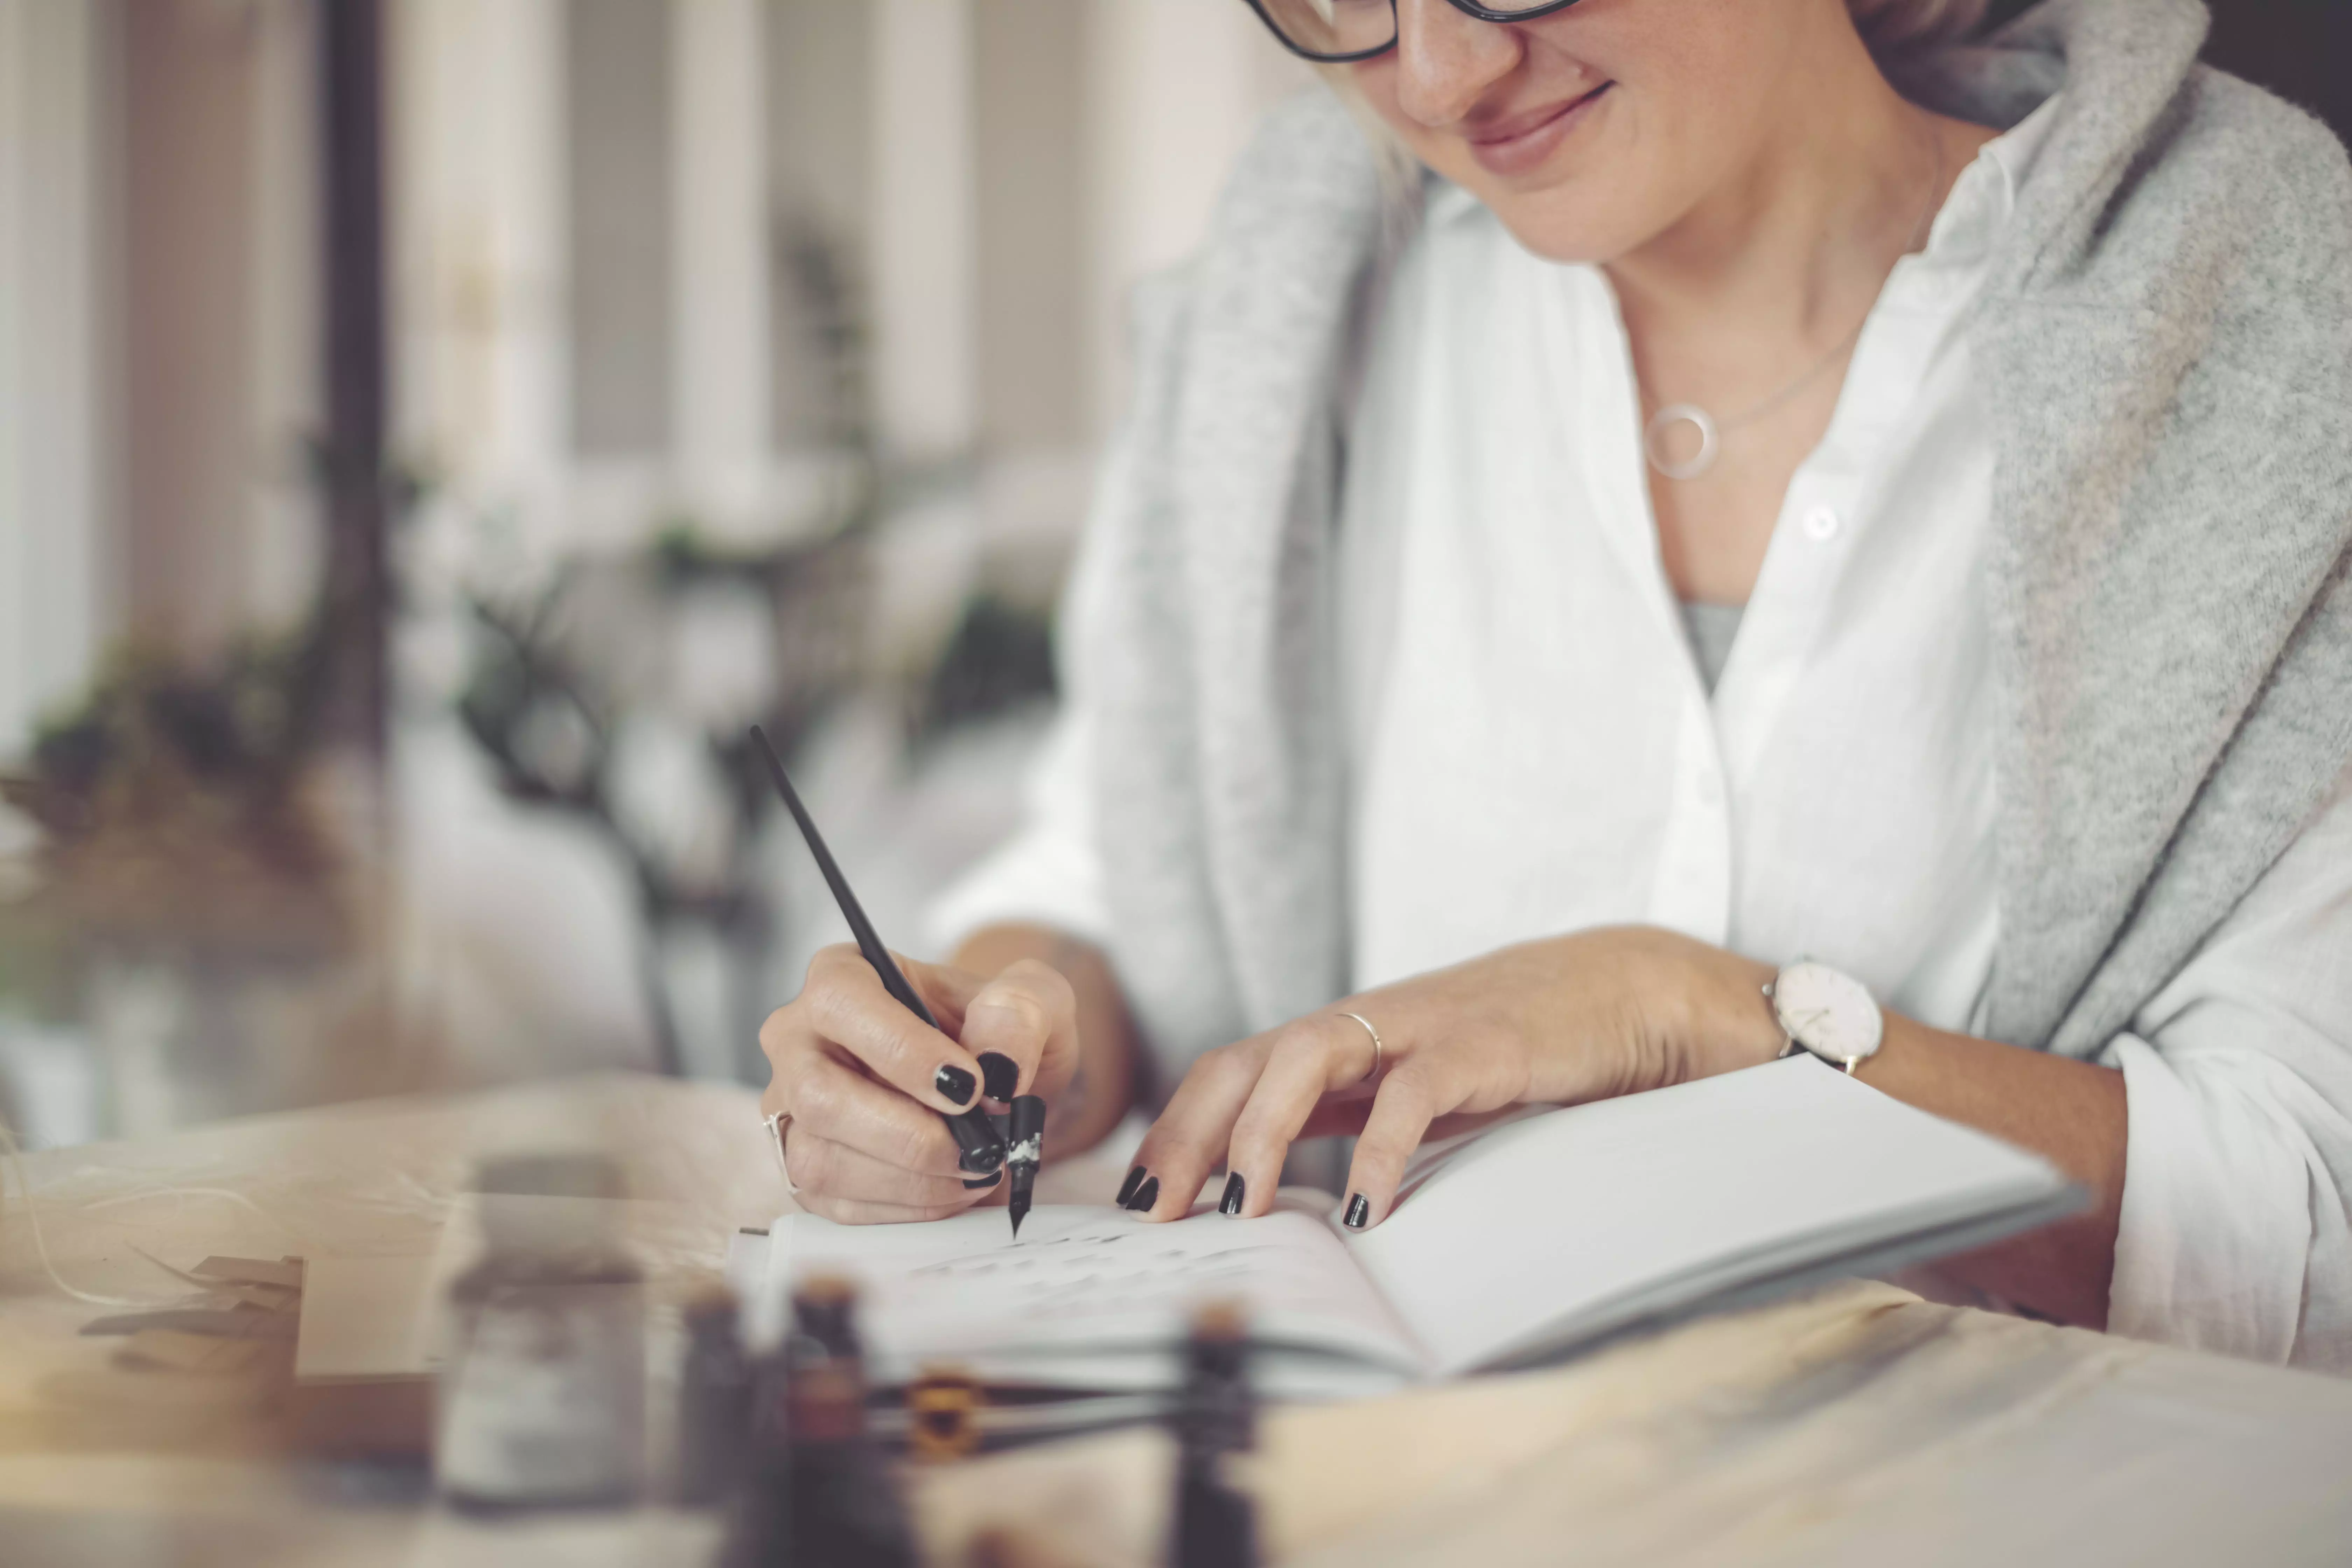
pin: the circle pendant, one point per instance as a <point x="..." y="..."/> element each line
<point x="1662" y="423"/>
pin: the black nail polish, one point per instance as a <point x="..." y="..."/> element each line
<point x="1358" y="1214"/>
<point x="955" y="1084"/>
<point x="1000" y="1075"/>
<point x="1232" y="1202"/>
<point x="975" y="1184"/>
<point x="1127" y="1188"/>
<point x="1145" y="1196"/>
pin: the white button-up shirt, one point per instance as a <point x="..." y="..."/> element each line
<point x="1534" y="751"/>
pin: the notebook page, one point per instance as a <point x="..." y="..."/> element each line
<point x="1568" y="1222"/>
<point x="1093" y="1297"/>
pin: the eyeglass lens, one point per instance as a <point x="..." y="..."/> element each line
<point x="1335" y="29"/>
<point x="1332" y="27"/>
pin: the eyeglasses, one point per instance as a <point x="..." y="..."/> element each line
<point x="1334" y="32"/>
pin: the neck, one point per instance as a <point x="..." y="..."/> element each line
<point x="1799" y="238"/>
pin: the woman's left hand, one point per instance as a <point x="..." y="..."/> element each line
<point x="1559" y="1021"/>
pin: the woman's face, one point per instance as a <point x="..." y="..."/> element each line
<point x="1595" y="130"/>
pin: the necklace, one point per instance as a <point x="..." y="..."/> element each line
<point x="1712" y="430"/>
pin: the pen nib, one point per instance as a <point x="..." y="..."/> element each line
<point x="1026" y="1138"/>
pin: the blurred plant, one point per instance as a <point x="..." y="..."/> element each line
<point x="554" y="725"/>
<point x="175" y="803"/>
<point x="815" y="267"/>
<point x="174" y="816"/>
<point x="999" y="658"/>
<point x="559" y="702"/>
<point x="179" y="822"/>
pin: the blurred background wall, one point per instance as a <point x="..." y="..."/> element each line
<point x="744" y="359"/>
<point x="431" y="430"/>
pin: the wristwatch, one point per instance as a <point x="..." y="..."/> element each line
<point x="1826" y="1011"/>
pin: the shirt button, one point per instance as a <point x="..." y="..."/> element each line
<point x="1820" y="524"/>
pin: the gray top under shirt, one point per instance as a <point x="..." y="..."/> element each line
<point x="1711" y="628"/>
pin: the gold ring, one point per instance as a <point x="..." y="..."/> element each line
<point x="775" y="1121"/>
<point x="1375" y="1033"/>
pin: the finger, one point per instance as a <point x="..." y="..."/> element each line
<point x="945" y="990"/>
<point x="848" y="1005"/>
<point x="1343" y="1116"/>
<point x="1416" y="1092"/>
<point x="818" y="1165"/>
<point x="832" y="1101"/>
<point x="790" y="1045"/>
<point x="1311" y="1057"/>
<point x="853" y="1211"/>
<point x="1335" y="1117"/>
<point x="1024" y="1020"/>
<point x="1191" y="1135"/>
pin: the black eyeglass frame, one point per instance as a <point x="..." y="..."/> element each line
<point x="1467" y="7"/>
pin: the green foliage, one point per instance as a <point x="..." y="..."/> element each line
<point x="154" y="739"/>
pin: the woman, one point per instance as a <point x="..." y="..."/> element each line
<point x="1411" y="769"/>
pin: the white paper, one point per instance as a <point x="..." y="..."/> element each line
<point x="1098" y="1286"/>
<point x="1537" y="1233"/>
<point x="1560" y="1226"/>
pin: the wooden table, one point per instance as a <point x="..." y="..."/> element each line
<point x="1858" y="1426"/>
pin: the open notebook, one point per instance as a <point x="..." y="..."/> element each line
<point x="1511" y="1247"/>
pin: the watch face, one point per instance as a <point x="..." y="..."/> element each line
<point x="1827" y="1013"/>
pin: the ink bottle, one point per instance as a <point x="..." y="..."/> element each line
<point x="1214" y="1522"/>
<point x="541" y="1395"/>
<point x="819" y="1490"/>
<point x="714" y="1400"/>
<point x="846" y="1506"/>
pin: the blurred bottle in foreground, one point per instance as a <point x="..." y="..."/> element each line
<point x="541" y="1393"/>
<point x="714" y="1400"/>
<point x="819" y="1492"/>
<point x="1214" y="1521"/>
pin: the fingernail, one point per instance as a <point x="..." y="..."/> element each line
<point x="999" y="1074"/>
<point x="1127" y="1188"/>
<point x="1145" y="1196"/>
<point x="954" y="1083"/>
<point x="1232" y="1202"/>
<point x="974" y="1184"/>
<point x="1358" y="1214"/>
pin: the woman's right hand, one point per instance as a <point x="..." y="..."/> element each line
<point x="865" y="1081"/>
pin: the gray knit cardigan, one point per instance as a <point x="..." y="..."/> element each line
<point x="2165" y="343"/>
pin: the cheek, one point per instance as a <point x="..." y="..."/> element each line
<point x="1375" y="81"/>
<point x="1642" y="166"/>
<point x="1673" y="128"/>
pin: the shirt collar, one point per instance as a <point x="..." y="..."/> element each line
<point x="1443" y="202"/>
<point x="2018" y="148"/>
<point x="1985" y="195"/>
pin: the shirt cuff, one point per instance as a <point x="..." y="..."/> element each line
<point x="2215" y="1231"/>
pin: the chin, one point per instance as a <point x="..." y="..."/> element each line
<point x="1571" y="210"/>
<point x="1559" y="226"/>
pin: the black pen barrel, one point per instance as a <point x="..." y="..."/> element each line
<point x="870" y="941"/>
<point x="983" y="1150"/>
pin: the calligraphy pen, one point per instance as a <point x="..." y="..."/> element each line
<point x="982" y="1148"/>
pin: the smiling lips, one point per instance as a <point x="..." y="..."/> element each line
<point x="1515" y="145"/>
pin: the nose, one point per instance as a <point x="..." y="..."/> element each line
<point x="1446" y="61"/>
